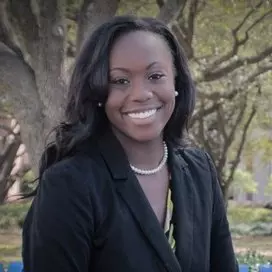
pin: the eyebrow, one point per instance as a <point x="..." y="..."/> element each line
<point x="126" y="70"/>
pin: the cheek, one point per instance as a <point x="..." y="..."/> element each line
<point x="172" y="103"/>
<point x="170" y="95"/>
<point x="169" y="99"/>
<point x="109" y="109"/>
<point x="167" y="95"/>
<point x="113" y="104"/>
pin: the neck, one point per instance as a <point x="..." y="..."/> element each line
<point x="143" y="155"/>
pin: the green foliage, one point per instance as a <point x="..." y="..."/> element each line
<point x="215" y="23"/>
<point x="243" y="181"/>
<point x="268" y="189"/>
<point x="260" y="141"/>
<point x="72" y="7"/>
<point x="27" y="183"/>
<point x="250" y="221"/>
<point x="253" y="259"/>
<point x="253" y="229"/>
<point x="260" y="144"/>
<point x="29" y="176"/>
<point x="247" y="214"/>
<point x="138" y="8"/>
<point x="12" y="215"/>
<point x="72" y="10"/>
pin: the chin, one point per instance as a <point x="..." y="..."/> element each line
<point x="144" y="136"/>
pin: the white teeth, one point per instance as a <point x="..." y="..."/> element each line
<point x="142" y="115"/>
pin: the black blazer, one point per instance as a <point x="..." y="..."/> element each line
<point x="90" y="214"/>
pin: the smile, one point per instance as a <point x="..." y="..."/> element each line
<point x="142" y="114"/>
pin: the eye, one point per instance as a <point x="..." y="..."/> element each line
<point x="119" y="81"/>
<point x="156" y="76"/>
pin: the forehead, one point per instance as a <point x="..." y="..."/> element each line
<point x="140" y="48"/>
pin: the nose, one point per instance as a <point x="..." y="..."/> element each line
<point x="140" y="92"/>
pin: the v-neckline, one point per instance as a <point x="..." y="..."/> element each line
<point x="129" y="189"/>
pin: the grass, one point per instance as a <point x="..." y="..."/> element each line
<point x="12" y="215"/>
<point x="10" y="246"/>
<point x="250" y="221"/>
<point x="261" y="245"/>
<point x="254" y="243"/>
<point x="11" y="219"/>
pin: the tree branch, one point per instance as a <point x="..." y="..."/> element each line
<point x="236" y="161"/>
<point x="183" y="41"/>
<point x="24" y="24"/>
<point x="52" y="35"/>
<point x="6" y="35"/>
<point x="259" y="20"/>
<point x="217" y="74"/>
<point x="191" y="20"/>
<point x="239" y="42"/>
<point x="20" y="92"/>
<point x="171" y="10"/>
<point x="160" y="3"/>
<point x="184" y="29"/>
<point x="230" y="138"/>
<point x="220" y="97"/>
<point x="253" y="9"/>
<point x="261" y="70"/>
<point x="8" y="130"/>
<point x="49" y="65"/>
<point x="204" y="112"/>
<point x="221" y="123"/>
<point x="92" y="14"/>
<point x="73" y="17"/>
<point x="6" y="168"/>
<point x="242" y="86"/>
<point x="8" y="143"/>
<point x="201" y="132"/>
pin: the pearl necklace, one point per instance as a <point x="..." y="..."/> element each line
<point x="154" y="170"/>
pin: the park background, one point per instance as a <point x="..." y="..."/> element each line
<point x="229" y="48"/>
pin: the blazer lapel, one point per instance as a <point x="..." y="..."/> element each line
<point x="183" y="213"/>
<point x="133" y="195"/>
<point x="130" y="190"/>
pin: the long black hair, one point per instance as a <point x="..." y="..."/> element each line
<point x="89" y="86"/>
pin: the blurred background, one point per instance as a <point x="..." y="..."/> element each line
<point x="229" y="47"/>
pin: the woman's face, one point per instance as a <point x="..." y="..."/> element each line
<point x="142" y="91"/>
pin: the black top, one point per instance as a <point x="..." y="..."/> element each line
<point x="90" y="214"/>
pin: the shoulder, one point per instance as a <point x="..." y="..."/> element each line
<point x="77" y="173"/>
<point x="76" y="164"/>
<point x="84" y="159"/>
<point x="199" y="163"/>
<point x="195" y="157"/>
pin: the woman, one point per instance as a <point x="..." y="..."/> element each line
<point x="119" y="191"/>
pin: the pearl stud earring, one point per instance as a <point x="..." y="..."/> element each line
<point x="176" y="93"/>
<point x="99" y="104"/>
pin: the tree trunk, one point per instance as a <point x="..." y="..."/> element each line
<point x="225" y="191"/>
<point x="20" y="91"/>
<point x="6" y="167"/>
<point x="32" y="74"/>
